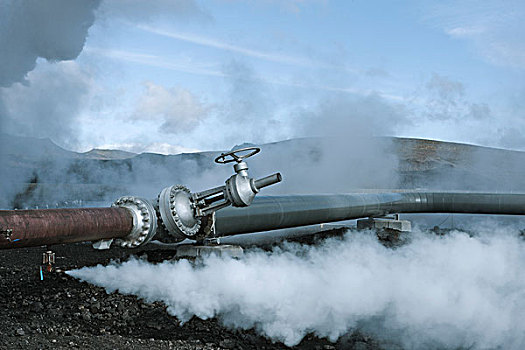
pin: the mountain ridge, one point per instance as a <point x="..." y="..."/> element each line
<point x="38" y="172"/>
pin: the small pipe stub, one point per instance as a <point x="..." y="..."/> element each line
<point x="144" y="221"/>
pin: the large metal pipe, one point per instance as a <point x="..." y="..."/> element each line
<point x="269" y="213"/>
<point x="27" y="228"/>
<point x="134" y="221"/>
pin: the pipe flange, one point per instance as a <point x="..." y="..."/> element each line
<point x="163" y="235"/>
<point x="176" y="209"/>
<point x="144" y="221"/>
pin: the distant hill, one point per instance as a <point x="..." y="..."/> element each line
<point x="108" y="154"/>
<point x="435" y="164"/>
<point x="36" y="172"/>
<point x="32" y="148"/>
<point x="36" y="148"/>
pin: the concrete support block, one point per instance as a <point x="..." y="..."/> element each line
<point x="103" y="244"/>
<point x="197" y="251"/>
<point x="384" y="224"/>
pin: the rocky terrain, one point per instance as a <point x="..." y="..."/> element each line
<point x="59" y="312"/>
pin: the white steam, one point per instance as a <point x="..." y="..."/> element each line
<point x="52" y="29"/>
<point x="434" y="292"/>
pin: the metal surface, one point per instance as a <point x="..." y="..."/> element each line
<point x="240" y="190"/>
<point x="144" y="221"/>
<point x="176" y="212"/>
<point x="267" y="181"/>
<point x="190" y="215"/>
<point x="55" y="226"/>
<point x="233" y="156"/>
<point x="25" y="228"/>
<point x="270" y="213"/>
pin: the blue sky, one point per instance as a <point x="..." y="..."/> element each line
<point x="193" y="75"/>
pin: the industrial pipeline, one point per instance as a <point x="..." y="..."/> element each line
<point x="230" y="209"/>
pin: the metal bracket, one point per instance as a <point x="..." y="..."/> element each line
<point x="103" y="244"/>
<point x="210" y="233"/>
<point x="209" y="229"/>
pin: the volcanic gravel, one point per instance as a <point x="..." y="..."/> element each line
<point x="61" y="312"/>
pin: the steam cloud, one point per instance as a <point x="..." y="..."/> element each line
<point x="453" y="291"/>
<point x="53" y="29"/>
<point x="57" y="32"/>
<point x="56" y="93"/>
<point x="140" y="10"/>
<point x="178" y="110"/>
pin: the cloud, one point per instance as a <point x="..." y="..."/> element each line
<point x="212" y="70"/>
<point x="297" y="5"/>
<point x="293" y="6"/>
<point x="347" y="123"/>
<point x="40" y="104"/>
<point x="177" y="109"/>
<point x="250" y="112"/>
<point x="494" y="27"/>
<point x="362" y="116"/>
<point x="445" y="99"/>
<point x="145" y="10"/>
<point x="149" y="60"/>
<point x="445" y="88"/>
<point x="52" y="29"/>
<point x="465" y="32"/>
<point x="248" y="99"/>
<point x="48" y="104"/>
<point x="512" y="137"/>
<point x="220" y="45"/>
<point x="350" y="127"/>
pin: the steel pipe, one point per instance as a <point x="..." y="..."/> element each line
<point x="25" y="228"/>
<point x="268" y="180"/>
<point x="28" y="228"/>
<point x="276" y="212"/>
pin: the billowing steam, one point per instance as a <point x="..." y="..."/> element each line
<point x="52" y="29"/>
<point x="44" y="103"/>
<point x="453" y="291"/>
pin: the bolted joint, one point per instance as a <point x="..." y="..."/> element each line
<point x="144" y="221"/>
<point x="177" y="211"/>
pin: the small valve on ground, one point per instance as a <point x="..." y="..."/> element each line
<point x="48" y="260"/>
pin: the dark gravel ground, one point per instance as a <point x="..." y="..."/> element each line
<point x="60" y="312"/>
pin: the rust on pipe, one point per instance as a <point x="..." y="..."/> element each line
<point x="28" y="228"/>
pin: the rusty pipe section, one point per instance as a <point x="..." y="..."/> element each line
<point x="28" y="228"/>
<point x="131" y="220"/>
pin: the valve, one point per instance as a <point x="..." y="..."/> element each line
<point x="48" y="260"/>
<point x="191" y="215"/>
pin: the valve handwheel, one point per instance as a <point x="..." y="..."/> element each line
<point x="222" y="159"/>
